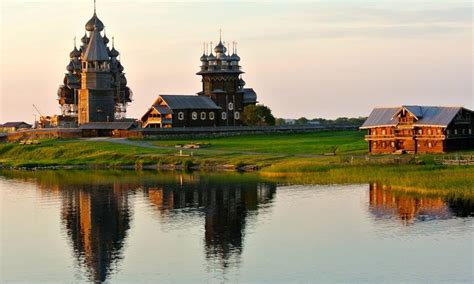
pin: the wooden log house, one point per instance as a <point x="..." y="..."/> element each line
<point x="419" y="129"/>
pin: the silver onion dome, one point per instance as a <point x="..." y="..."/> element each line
<point x="94" y="21"/>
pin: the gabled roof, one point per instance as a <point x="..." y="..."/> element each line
<point x="427" y="115"/>
<point x="96" y="49"/>
<point x="188" y="102"/>
<point x="15" y="124"/>
<point x="162" y="110"/>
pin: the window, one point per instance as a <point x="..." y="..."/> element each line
<point x="430" y="145"/>
<point x="237" y="115"/>
<point x="181" y="115"/>
<point x="420" y="131"/>
<point x="211" y="116"/>
<point x="383" y="131"/>
<point x="194" y="115"/>
<point x="392" y="144"/>
<point x="470" y="131"/>
<point x="203" y="115"/>
<point x="429" y="131"/>
<point x="455" y="132"/>
<point x="447" y="131"/>
<point x="224" y="116"/>
<point x="231" y="106"/>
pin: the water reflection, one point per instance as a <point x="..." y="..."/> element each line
<point x="385" y="203"/>
<point x="226" y="207"/>
<point x="96" y="212"/>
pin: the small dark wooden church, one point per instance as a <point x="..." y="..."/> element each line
<point x="220" y="103"/>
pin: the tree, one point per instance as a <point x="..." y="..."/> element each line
<point x="258" y="115"/>
<point x="301" y="121"/>
<point x="280" y="122"/>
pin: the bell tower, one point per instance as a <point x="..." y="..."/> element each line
<point x="96" y="96"/>
<point x="221" y="82"/>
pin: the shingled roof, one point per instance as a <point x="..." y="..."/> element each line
<point x="189" y="102"/>
<point x="96" y="50"/>
<point x="427" y="115"/>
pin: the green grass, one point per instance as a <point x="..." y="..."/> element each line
<point x="340" y="142"/>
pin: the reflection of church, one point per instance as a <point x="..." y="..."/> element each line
<point x="226" y="207"/>
<point x="96" y="214"/>
<point x="96" y="218"/>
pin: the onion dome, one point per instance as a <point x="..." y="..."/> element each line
<point x="113" y="52"/>
<point x="234" y="57"/>
<point x="222" y="56"/>
<point x="120" y="67"/>
<point x="204" y="58"/>
<point x="75" y="53"/>
<point x="241" y="82"/>
<point x="106" y="39"/>
<point x="94" y="21"/>
<point x="220" y="48"/>
<point x="211" y="57"/>
<point x="70" y="67"/>
<point x="84" y="39"/>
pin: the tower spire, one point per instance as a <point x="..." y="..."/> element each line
<point x="94" y="6"/>
<point x="74" y="42"/>
<point x="220" y="35"/>
<point x="113" y="39"/>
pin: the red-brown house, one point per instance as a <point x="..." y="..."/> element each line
<point x="419" y="129"/>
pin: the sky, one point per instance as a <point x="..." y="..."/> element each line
<point x="303" y="58"/>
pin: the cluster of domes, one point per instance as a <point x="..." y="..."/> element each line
<point x="221" y="61"/>
<point x="94" y="48"/>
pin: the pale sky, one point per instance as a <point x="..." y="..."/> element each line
<point x="308" y="58"/>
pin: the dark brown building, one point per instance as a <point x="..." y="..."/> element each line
<point x="220" y="103"/>
<point x="419" y="129"/>
<point x="181" y="111"/>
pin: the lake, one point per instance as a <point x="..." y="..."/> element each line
<point x="127" y="226"/>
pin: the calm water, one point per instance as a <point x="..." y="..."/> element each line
<point x="119" y="226"/>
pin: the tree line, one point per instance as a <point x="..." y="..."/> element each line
<point x="261" y="115"/>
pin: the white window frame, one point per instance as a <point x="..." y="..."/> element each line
<point x="224" y="116"/>
<point x="203" y="115"/>
<point x="231" y="106"/>
<point x="181" y="115"/>
<point x="194" y="115"/>
<point x="211" y="116"/>
<point x="237" y="115"/>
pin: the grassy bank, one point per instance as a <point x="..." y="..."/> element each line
<point x="286" y="158"/>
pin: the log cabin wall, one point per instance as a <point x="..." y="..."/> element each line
<point x="431" y="130"/>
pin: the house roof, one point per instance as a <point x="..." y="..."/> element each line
<point x="15" y="124"/>
<point x="427" y="115"/>
<point x="250" y="97"/>
<point x="189" y="102"/>
<point x="162" y="110"/>
<point x="121" y="125"/>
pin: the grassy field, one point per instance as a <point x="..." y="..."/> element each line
<point x="339" y="142"/>
<point x="286" y="158"/>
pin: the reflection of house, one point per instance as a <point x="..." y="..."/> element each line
<point x="14" y="126"/>
<point x="422" y="129"/>
<point x="383" y="203"/>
